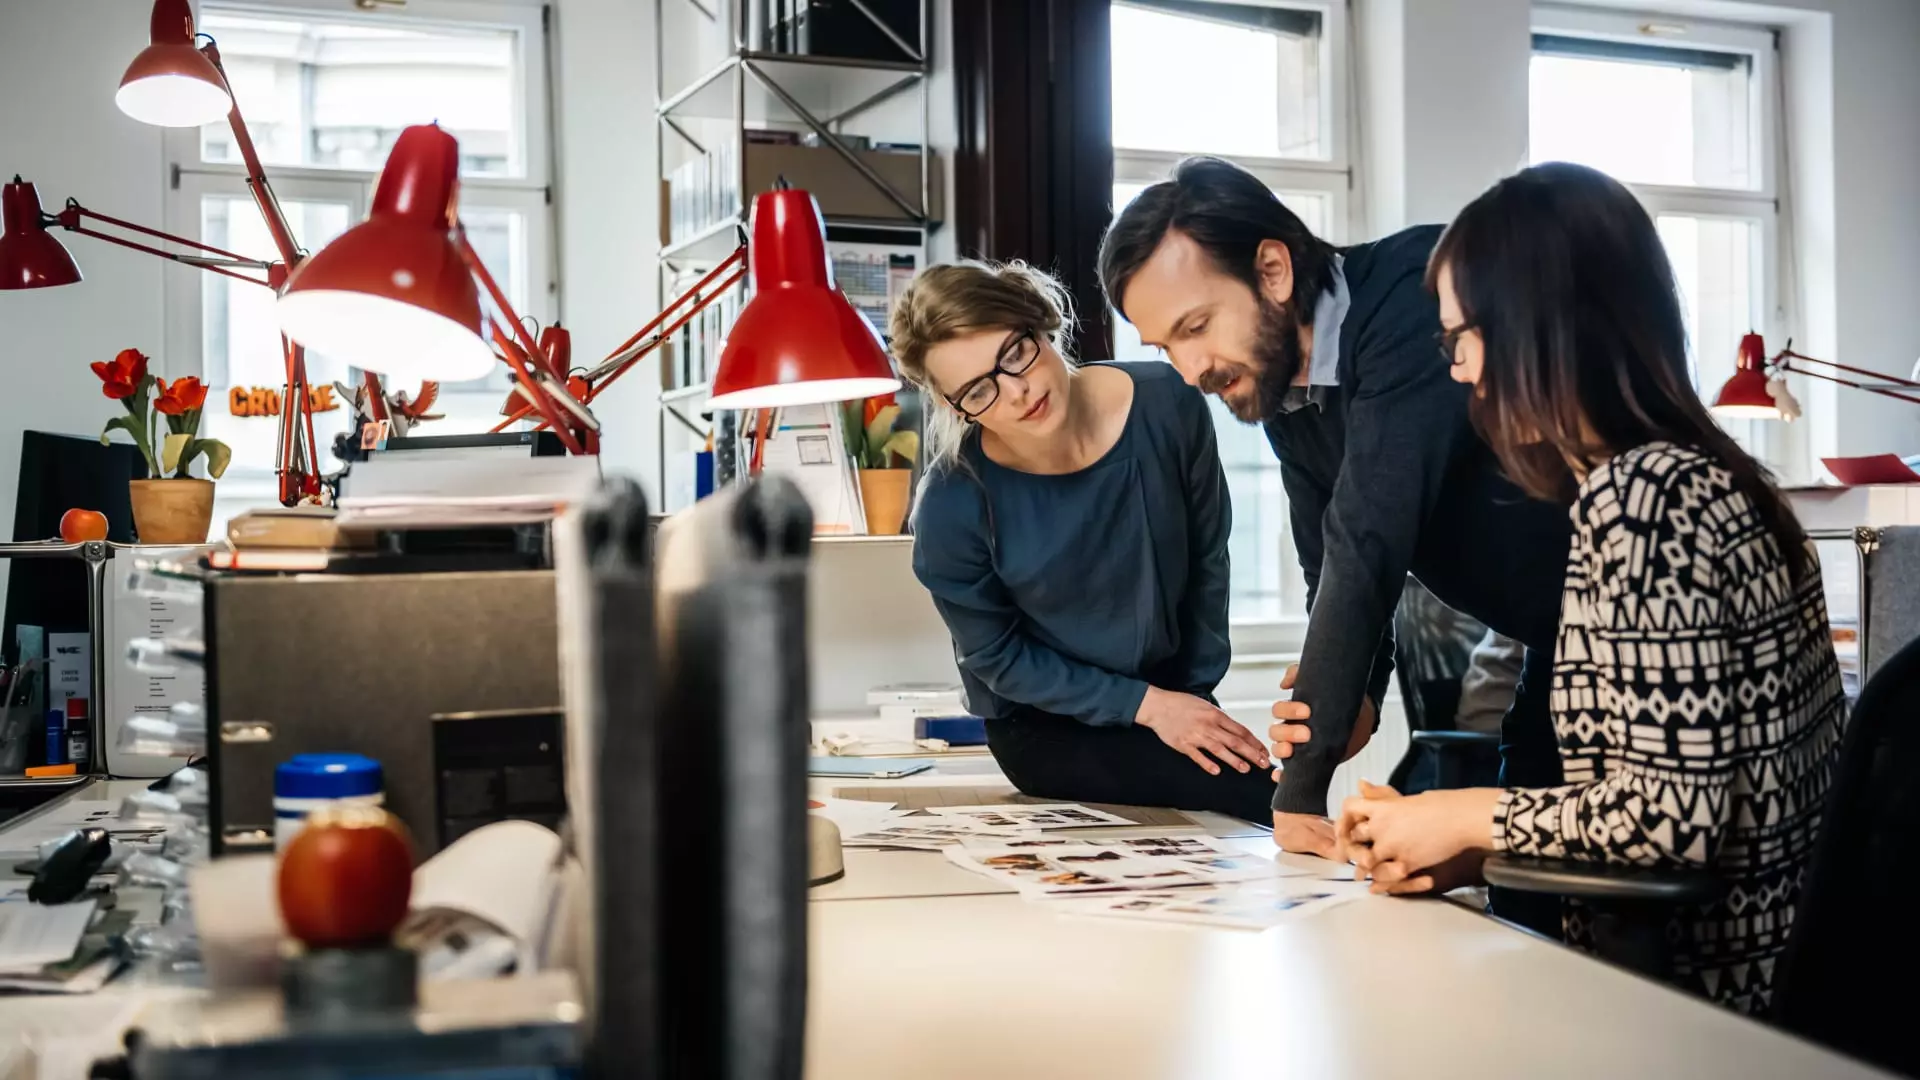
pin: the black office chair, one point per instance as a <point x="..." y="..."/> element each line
<point x="1432" y="649"/>
<point x="698" y="717"/>
<point x="1853" y="935"/>
<point x="1855" y="919"/>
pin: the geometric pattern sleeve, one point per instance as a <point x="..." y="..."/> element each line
<point x="1648" y="676"/>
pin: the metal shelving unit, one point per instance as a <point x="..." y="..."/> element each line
<point x="96" y="554"/>
<point x="730" y="81"/>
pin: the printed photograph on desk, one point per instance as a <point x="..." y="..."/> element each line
<point x="1239" y="909"/>
<point x="927" y="833"/>
<point x="1036" y="816"/>
<point x="1040" y="873"/>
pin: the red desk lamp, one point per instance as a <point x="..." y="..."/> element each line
<point x="1756" y="392"/>
<point x="397" y="293"/>
<point x="174" y="83"/>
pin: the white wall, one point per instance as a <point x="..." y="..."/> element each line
<point x="609" y="210"/>
<point x="60" y="62"/>
<point x="1443" y="103"/>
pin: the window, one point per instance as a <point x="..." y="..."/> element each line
<point x="1255" y="83"/>
<point x="326" y="88"/>
<point x="1684" y="115"/>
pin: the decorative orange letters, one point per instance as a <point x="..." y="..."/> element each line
<point x="265" y="401"/>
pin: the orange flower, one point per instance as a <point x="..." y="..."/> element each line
<point x="873" y="406"/>
<point x="184" y="396"/>
<point x="124" y="376"/>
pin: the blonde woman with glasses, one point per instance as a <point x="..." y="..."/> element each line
<point x="1072" y="528"/>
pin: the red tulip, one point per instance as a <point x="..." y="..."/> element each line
<point x="124" y="375"/>
<point x="184" y="396"/>
<point x="873" y="406"/>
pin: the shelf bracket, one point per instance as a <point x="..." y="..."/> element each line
<point x="887" y="94"/>
<point x="919" y="215"/>
<point x="892" y="35"/>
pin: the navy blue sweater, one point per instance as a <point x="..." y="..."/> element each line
<point x="1388" y="478"/>
<point x="1072" y="593"/>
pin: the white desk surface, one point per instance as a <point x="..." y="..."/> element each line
<point x="920" y="969"/>
<point x="915" y="972"/>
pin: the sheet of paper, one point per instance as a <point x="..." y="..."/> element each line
<point x="1241" y="909"/>
<point x="1034" y="816"/>
<point x="20" y="839"/>
<point x="35" y="935"/>
<point x="503" y="874"/>
<point x="854" y="816"/>
<point x="1045" y="867"/>
<point x="926" y="834"/>
<point x="1048" y="871"/>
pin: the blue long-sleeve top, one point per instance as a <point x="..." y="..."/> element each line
<point x="1073" y="593"/>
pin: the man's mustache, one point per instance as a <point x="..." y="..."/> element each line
<point x="1216" y="380"/>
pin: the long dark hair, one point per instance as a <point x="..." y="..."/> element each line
<point x="1229" y="213"/>
<point x="1561" y="271"/>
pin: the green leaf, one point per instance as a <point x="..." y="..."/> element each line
<point x="219" y="455"/>
<point x="904" y="445"/>
<point x="855" y="438"/>
<point x="882" y="427"/>
<point x="171" y="459"/>
<point x="125" y="423"/>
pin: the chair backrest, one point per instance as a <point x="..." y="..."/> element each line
<point x="1432" y="646"/>
<point x="1855" y="915"/>
<point x="1890" y="601"/>
<point x="699" y="835"/>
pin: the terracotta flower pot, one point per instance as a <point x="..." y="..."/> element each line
<point x="172" y="511"/>
<point x="885" y="493"/>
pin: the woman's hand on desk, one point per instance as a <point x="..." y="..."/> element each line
<point x="1197" y="728"/>
<point x="1418" y="843"/>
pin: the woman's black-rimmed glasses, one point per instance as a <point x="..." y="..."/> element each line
<point x="1450" y="341"/>
<point x="1020" y="350"/>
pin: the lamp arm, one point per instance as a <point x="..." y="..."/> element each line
<point x="522" y="353"/>
<point x="1881" y="390"/>
<point x="681" y="311"/>
<point x="218" y="260"/>
<point x="1786" y="354"/>
<point x="263" y="196"/>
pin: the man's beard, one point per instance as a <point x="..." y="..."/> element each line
<point x="1276" y="348"/>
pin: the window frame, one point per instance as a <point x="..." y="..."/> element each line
<point x="1262" y="639"/>
<point x="1762" y="205"/>
<point x="190" y="180"/>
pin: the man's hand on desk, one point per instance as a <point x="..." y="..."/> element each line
<point x="1306" y="834"/>
<point x="1292" y="727"/>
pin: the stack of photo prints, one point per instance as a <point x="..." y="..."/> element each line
<point x="1191" y="879"/>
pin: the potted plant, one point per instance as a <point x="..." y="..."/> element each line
<point x="172" y="506"/>
<point x="885" y="459"/>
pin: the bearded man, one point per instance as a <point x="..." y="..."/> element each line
<point x="1337" y="352"/>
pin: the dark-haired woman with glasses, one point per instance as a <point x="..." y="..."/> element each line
<point x="1696" y="698"/>
<point x="1072" y="528"/>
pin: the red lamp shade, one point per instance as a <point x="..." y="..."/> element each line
<point x="393" y="294"/>
<point x="30" y="256"/>
<point x="171" y="83"/>
<point x="1745" y="396"/>
<point x="798" y="341"/>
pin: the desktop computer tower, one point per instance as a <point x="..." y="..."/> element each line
<point x="375" y="664"/>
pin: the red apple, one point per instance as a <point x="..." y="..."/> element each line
<point x="345" y="879"/>
<point x="77" y="526"/>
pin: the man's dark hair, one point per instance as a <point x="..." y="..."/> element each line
<point x="1229" y="212"/>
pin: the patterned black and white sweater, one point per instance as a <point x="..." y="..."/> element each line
<point x="1698" y="707"/>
